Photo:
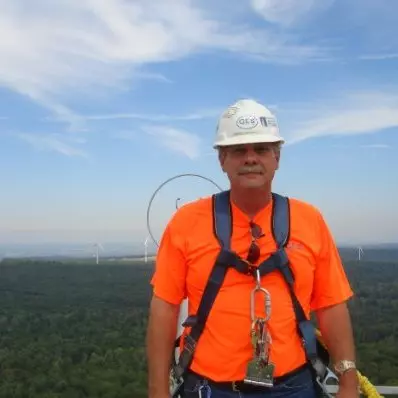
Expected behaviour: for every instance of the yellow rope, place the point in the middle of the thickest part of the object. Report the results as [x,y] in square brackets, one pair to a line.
[367,388]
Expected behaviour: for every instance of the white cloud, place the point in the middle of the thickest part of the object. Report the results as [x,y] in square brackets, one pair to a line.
[54,52]
[288,12]
[175,140]
[377,146]
[355,113]
[378,57]
[77,50]
[364,146]
[371,24]
[67,146]
[201,114]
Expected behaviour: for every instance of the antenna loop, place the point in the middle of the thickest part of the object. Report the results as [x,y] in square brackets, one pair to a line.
[160,187]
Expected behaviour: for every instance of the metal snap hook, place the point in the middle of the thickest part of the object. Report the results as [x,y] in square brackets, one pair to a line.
[267,299]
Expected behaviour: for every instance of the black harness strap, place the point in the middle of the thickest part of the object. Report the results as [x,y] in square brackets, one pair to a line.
[222,216]
[279,261]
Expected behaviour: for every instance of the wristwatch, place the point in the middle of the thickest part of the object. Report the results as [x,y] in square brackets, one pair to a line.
[343,366]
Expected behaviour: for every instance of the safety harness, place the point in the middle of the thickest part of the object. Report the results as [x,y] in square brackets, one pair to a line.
[316,354]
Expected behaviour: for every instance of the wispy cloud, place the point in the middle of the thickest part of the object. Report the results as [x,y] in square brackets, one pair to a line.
[354,113]
[179,141]
[68,146]
[286,12]
[83,46]
[376,146]
[378,57]
[364,146]
[84,49]
[371,24]
[201,114]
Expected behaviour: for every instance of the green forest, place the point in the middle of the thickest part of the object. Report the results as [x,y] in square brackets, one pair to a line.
[76,330]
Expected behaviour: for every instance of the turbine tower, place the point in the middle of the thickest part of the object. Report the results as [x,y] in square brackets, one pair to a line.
[146,248]
[97,246]
[360,253]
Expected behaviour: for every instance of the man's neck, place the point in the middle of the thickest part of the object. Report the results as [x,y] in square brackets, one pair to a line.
[251,200]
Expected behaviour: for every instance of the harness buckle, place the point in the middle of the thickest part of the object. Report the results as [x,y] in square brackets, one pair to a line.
[235,387]
[251,270]
[175,384]
[189,344]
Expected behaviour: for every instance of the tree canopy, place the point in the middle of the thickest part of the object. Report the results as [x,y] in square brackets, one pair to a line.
[76,330]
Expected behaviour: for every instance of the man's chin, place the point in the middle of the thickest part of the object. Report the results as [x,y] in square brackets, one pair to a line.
[252,182]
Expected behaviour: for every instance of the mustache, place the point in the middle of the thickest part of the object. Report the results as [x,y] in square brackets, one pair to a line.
[250,169]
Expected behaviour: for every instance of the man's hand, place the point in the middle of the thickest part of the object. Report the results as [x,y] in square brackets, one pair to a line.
[348,385]
[161,396]
[161,334]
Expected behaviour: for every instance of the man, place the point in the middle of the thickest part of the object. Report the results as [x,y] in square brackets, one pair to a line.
[249,149]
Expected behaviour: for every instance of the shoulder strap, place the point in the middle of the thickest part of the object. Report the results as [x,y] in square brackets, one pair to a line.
[280,219]
[223,229]
[316,354]
[222,218]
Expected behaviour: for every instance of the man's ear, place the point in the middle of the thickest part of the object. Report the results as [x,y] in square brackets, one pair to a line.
[277,158]
[221,158]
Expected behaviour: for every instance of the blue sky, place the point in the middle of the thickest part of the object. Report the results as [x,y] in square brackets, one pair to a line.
[102,101]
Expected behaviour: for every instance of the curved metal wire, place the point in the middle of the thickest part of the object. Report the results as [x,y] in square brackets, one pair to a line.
[161,186]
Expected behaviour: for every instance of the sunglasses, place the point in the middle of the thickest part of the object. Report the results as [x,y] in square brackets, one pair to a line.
[254,250]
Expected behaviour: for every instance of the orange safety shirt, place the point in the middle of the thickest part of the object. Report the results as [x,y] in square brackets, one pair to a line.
[187,253]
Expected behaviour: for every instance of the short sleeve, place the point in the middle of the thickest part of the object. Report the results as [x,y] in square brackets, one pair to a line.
[168,280]
[331,285]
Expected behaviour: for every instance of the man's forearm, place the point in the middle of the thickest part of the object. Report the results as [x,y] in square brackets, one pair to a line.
[161,334]
[336,328]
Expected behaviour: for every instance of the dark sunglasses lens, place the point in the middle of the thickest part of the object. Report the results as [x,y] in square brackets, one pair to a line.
[254,253]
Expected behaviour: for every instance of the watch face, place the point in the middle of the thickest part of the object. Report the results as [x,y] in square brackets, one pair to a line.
[345,365]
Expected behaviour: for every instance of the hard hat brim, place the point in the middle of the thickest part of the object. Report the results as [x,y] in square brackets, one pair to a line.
[249,139]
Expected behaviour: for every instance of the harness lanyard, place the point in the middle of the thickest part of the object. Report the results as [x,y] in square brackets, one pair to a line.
[260,370]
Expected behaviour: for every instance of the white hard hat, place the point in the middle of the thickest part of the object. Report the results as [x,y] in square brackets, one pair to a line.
[247,122]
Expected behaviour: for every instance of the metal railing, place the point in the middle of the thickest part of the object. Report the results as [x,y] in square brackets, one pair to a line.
[383,390]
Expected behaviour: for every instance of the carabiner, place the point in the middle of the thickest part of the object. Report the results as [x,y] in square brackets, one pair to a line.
[267,299]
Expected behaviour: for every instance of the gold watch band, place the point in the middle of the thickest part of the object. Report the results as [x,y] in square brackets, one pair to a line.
[343,366]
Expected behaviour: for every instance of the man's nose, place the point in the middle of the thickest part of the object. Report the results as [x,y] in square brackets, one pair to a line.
[250,156]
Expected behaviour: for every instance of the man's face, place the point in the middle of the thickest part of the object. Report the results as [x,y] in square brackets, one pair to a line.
[251,165]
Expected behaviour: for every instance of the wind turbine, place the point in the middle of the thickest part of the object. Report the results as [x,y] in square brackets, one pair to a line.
[146,248]
[97,246]
[360,252]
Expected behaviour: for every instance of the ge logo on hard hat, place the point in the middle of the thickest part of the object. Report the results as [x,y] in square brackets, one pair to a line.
[247,122]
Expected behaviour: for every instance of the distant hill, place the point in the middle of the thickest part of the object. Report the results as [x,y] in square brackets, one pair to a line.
[381,253]
[385,252]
